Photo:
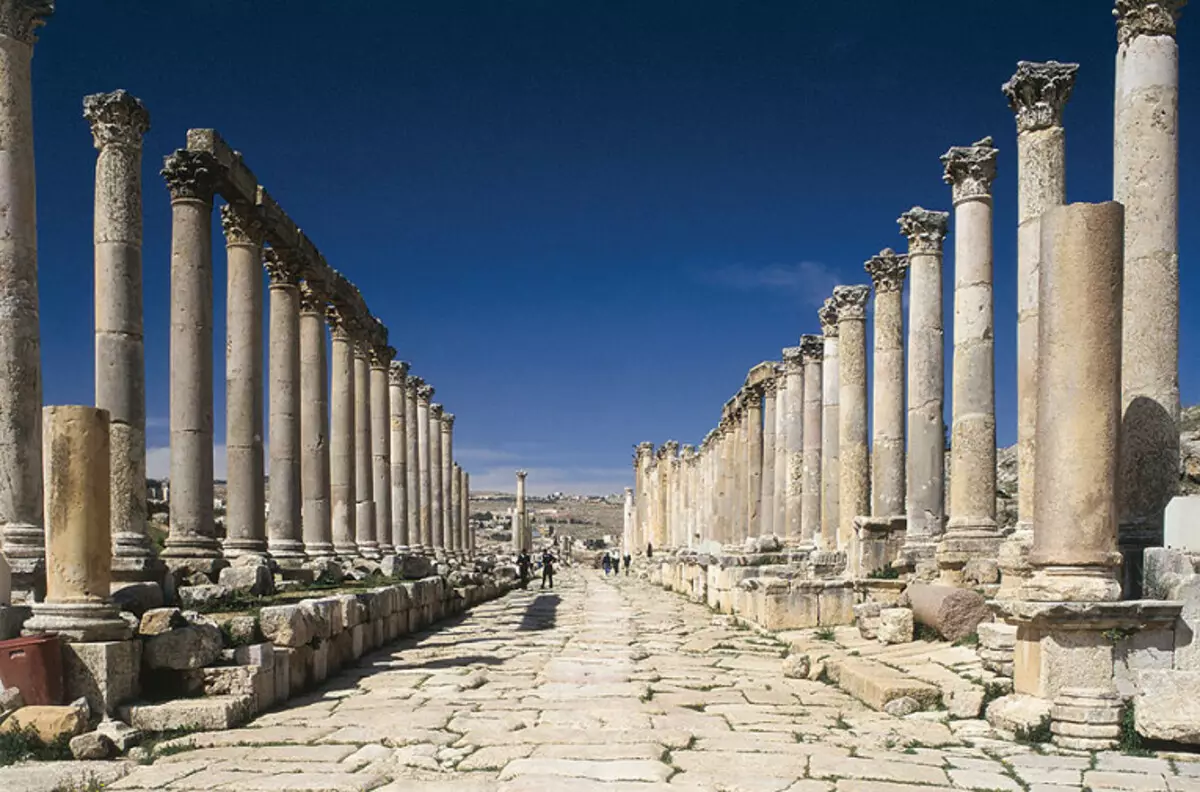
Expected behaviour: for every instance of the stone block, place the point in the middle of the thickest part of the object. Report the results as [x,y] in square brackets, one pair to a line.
[322,614]
[203,595]
[106,674]
[835,605]
[377,633]
[253,579]
[194,714]
[259,654]
[230,680]
[343,649]
[283,674]
[1151,649]
[1181,524]
[358,640]
[1018,713]
[240,630]
[10,700]
[875,684]
[122,735]
[137,597]
[286,625]
[92,746]
[1187,629]
[300,663]
[157,621]
[193,646]
[353,611]
[895,626]
[1167,706]
[320,663]
[50,722]
[415,567]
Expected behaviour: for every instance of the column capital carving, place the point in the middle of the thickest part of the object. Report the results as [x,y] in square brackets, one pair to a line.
[770,386]
[851,302]
[117,119]
[424,390]
[793,360]
[812,348]
[887,270]
[282,269]
[313,297]
[925,229]
[1038,92]
[752,398]
[1146,18]
[381,356]
[447,421]
[398,373]
[243,225]
[521,474]
[342,320]
[20,19]
[970,170]
[827,314]
[645,449]
[191,175]
[435,411]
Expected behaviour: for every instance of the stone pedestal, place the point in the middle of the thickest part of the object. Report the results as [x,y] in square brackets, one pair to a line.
[812,351]
[398,387]
[75,455]
[107,673]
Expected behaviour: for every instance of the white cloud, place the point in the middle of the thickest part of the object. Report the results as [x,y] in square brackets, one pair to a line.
[812,280]
[545,480]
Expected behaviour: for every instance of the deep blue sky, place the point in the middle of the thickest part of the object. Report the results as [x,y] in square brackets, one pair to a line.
[583,222]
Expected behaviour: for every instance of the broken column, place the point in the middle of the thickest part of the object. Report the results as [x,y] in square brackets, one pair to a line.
[888,271]
[812,352]
[314,421]
[854,482]
[398,386]
[830,423]
[967,552]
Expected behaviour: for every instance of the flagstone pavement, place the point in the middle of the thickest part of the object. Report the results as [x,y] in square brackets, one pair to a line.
[601,683]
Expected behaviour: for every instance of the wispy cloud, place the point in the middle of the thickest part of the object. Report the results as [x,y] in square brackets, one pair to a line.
[545,480]
[810,281]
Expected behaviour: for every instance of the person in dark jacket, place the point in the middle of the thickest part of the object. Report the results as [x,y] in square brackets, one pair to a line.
[547,569]
[524,564]
[606,562]
[628,561]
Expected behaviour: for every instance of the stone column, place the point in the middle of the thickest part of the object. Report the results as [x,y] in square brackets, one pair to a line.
[415,493]
[447,440]
[456,510]
[925,474]
[754,461]
[722,480]
[783,400]
[191,178]
[341,433]
[314,421]
[968,551]
[520,518]
[812,353]
[792,423]
[739,485]
[398,404]
[1075,552]
[364,476]
[627,533]
[437,498]
[118,122]
[425,481]
[770,390]
[381,445]
[20,354]
[683,497]
[1037,93]
[1146,181]
[79,545]
[284,534]
[830,428]
[245,498]
[888,271]
[854,485]
[644,455]
[470,529]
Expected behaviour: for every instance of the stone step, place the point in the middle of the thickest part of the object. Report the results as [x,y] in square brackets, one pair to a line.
[212,713]
[875,684]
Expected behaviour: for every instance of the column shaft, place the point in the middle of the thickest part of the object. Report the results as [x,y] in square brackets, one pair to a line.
[854,487]
[341,437]
[767,514]
[783,399]
[888,271]
[456,509]
[284,533]
[437,498]
[447,440]
[520,526]
[381,446]
[414,493]
[754,462]
[830,429]
[398,404]
[364,476]
[425,488]
[812,349]
[314,423]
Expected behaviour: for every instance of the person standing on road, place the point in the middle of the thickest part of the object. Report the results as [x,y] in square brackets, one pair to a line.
[547,569]
[524,562]
[606,562]
[628,561]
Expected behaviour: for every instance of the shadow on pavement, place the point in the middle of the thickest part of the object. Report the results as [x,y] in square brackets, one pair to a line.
[541,613]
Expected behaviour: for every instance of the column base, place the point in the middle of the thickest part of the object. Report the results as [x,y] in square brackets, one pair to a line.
[319,550]
[345,552]
[284,551]
[386,550]
[1071,584]
[107,673]
[236,548]
[82,622]
[26,554]
[185,546]
[369,550]
[127,569]
[966,554]
[1086,719]
[919,557]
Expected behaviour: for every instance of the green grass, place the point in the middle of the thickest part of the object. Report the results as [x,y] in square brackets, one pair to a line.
[824,634]
[884,573]
[26,744]
[968,640]
[924,632]
[1035,735]
[1130,742]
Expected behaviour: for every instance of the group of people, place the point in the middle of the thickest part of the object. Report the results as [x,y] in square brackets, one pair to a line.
[612,563]
[525,567]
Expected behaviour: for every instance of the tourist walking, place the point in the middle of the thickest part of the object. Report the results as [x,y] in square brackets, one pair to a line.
[628,561]
[606,562]
[524,563]
[547,569]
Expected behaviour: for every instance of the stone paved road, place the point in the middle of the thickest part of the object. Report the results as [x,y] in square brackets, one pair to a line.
[613,684]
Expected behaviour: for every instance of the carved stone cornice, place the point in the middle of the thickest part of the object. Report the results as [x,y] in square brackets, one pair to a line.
[313,297]
[398,373]
[447,421]
[887,270]
[970,170]
[925,229]
[191,175]
[812,348]
[117,119]
[20,19]
[1146,18]
[827,314]
[381,355]
[342,320]
[752,398]
[424,391]
[793,360]
[1038,92]
[851,302]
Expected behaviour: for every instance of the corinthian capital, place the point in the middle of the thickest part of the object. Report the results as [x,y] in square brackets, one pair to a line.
[925,229]
[117,119]
[424,391]
[1038,92]
[793,360]
[398,373]
[435,411]
[970,170]
[20,19]
[343,322]
[887,270]
[1146,18]
[243,225]
[191,175]
[282,269]
[447,421]
[851,302]
[381,355]
[812,348]
[313,297]
[827,314]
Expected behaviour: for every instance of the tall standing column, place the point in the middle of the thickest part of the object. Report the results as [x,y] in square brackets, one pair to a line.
[754,461]
[284,534]
[364,477]
[520,517]
[447,440]
[245,499]
[812,353]
[381,445]
[888,271]
[1037,93]
[398,404]
[456,509]
[1146,181]
[425,481]
[627,532]
[412,455]
[467,526]
[20,353]
[118,122]
[437,499]
[925,474]
[721,531]
[792,413]
[341,432]
[972,533]
[739,487]
[830,428]
[668,453]
[783,399]
[642,461]
[192,178]
[854,485]
[770,390]
[314,421]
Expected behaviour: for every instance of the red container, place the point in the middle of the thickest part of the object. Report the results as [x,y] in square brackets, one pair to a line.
[33,664]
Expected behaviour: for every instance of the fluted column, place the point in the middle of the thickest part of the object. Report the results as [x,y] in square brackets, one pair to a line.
[314,421]
[192,178]
[854,485]
[364,475]
[972,532]
[398,405]
[118,122]
[381,444]
[1146,181]
[925,474]
[830,428]
[766,520]
[447,440]
[888,271]
[425,481]
[412,459]
[285,537]
[341,433]
[1037,94]
[20,353]
[437,499]
[812,354]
